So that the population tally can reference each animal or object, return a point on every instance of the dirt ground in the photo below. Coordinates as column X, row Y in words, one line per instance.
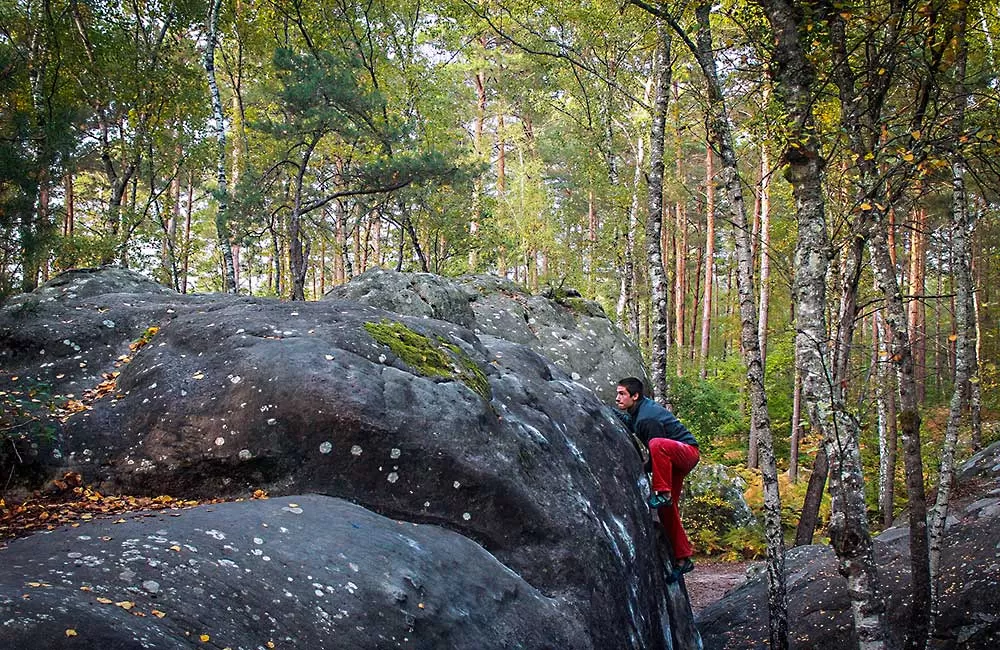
column 710, row 581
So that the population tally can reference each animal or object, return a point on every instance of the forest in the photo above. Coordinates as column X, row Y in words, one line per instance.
column 791, row 207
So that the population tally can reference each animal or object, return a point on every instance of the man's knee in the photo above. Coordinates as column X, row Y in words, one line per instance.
column 661, row 445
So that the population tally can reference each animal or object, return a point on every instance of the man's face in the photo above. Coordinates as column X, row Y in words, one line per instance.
column 623, row 400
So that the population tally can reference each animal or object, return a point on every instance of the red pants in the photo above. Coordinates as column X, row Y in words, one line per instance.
column 672, row 461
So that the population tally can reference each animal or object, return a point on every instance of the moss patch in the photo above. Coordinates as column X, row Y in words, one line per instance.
column 430, row 357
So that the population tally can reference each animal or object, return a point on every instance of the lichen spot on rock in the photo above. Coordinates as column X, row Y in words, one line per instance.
column 430, row 357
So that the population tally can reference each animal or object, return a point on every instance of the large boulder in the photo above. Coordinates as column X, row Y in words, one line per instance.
column 572, row 332
column 297, row 572
column 417, row 419
column 819, row 613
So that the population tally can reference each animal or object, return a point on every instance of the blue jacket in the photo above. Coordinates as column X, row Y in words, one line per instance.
column 650, row 420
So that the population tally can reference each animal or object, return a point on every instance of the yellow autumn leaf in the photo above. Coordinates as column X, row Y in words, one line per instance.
column 85, row 588
column 158, row 614
column 175, row 547
column 125, row 604
column 70, row 632
column 198, row 375
column 866, row 206
column 104, row 601
column 869, row 156
column 915, row 134
column 908, row 156
column 204, row 638
column 270, row 644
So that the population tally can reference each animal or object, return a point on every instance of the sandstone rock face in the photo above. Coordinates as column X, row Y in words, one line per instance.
column 303, row 572
column 819, row 610
column 500, row 457
column 573, row 333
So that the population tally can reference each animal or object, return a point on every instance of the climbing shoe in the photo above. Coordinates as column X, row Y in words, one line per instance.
column 659, row 499
column 680, row 568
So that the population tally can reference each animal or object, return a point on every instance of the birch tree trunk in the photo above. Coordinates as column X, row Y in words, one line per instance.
column 764, row 215
column 885, row 399
column 909, row 419
column 849, row 534
column 721, row 136
column 222, row 191
column 660, row 334
column 796, row 434
column 961, row 233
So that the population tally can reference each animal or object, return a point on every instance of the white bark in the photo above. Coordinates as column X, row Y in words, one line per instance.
column 222, row 191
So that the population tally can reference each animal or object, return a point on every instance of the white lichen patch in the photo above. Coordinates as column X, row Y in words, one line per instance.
column 220, row 441
column 356, row 450
column 395, row 453
column 325, row 447
column 245, row 454
column 216, row 534
column 393, row 477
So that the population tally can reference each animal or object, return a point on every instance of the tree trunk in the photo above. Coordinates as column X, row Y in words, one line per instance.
column 660, row 343
column 222, row 191
column 764, row 216
column 186, row 253
column 680, row 247
column 796, row 434
column 298, row 245
column 909, row 419
column 850, row 538
column 885, row 398
column 479, row 80
column 961, row 235
column 720, row 135
column 915, row 308
column 706, row 304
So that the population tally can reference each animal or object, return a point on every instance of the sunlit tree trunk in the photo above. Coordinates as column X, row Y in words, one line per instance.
column 916, row 319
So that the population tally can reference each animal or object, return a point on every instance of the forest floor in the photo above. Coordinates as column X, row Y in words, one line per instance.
column 710, row 581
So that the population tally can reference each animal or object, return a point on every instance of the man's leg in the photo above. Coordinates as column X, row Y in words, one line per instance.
column 672, row 461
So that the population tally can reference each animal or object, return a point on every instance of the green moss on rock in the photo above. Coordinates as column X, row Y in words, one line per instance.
column 430, row 357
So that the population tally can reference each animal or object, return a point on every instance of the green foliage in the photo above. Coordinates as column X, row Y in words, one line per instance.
column 744, row 543
column 706, row 518
column 711, row 411
column 430, row 357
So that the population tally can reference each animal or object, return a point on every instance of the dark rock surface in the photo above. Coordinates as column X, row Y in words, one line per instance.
column 497, row 445
column 573, row 333
column 301, row 572
column 819, row 610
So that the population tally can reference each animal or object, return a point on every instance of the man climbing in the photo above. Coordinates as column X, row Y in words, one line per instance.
column 673, row 453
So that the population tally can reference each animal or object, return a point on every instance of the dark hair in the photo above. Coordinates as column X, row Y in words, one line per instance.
column 632, row 385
